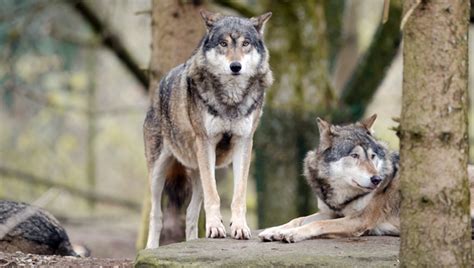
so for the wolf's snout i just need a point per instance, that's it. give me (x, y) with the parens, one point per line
(375, 180)
(235, 67)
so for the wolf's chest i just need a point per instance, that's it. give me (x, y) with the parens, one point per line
(215, 125)
(357, 205)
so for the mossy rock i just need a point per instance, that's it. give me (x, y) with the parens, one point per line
(347, 252)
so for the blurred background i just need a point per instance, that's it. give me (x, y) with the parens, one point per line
(74, 79)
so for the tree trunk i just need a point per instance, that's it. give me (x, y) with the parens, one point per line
(371, 69)
(435, 224)
(177, 28)
(301, 90)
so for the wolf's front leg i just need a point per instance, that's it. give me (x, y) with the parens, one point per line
(206, 156)
(347, 226)
(241, 165)
(274, 233)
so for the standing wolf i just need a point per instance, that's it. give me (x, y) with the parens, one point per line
(356, 180)
(203, 117)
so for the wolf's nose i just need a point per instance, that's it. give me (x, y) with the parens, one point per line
(375, 180)
(235, 67)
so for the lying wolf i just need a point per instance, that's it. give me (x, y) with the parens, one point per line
(355, 178)
(30, 229)
(203, 117)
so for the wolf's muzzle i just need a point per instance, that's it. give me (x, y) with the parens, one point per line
(235, 67)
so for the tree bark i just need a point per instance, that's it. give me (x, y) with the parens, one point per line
(177, 28)
(435, 224)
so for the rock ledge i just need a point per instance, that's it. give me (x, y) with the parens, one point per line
(347, 252)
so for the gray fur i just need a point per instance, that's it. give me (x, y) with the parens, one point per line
(204, 89)
(204, 105)
(335, 171)
(343, 140)
(239, 27)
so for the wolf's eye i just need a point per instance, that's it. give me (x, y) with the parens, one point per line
(355, 156)
(372, 156)
(245, 43)
(223, 43)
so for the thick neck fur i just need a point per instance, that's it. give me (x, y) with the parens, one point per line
(336, 193)
(227, 96)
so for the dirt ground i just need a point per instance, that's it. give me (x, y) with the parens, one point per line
(105, 238)
(29, 260)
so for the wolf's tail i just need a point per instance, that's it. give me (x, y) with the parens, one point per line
(177, 186)
(177, 190)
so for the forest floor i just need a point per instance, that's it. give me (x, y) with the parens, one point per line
(30, 260)
(104, 237)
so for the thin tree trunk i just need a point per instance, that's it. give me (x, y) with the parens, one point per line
(435, 224)
(334, 15)
(347, 56)
(371, 69)
(91, 127)
(177, 28)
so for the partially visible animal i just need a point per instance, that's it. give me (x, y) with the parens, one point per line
(30, 229)
(356, 182)
(203, 117)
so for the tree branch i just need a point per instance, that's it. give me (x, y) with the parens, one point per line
(110, 40)
(33, 179)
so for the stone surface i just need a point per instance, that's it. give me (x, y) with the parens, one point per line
(341, 252)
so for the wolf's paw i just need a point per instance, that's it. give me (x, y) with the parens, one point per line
(291, 236)
(270, 234)
(215, 229)
(240, 231)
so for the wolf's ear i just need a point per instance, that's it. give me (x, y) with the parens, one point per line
(369, 122)
(323, 125)
(209, 18)
(259, 22)
(326, 132)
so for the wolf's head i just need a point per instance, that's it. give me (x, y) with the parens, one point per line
(234, 46)
(351, 155)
